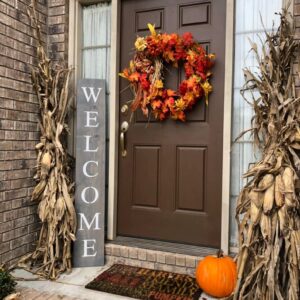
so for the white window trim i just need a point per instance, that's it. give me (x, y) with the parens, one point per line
(228, 96)
(74, 55)
(74, 58)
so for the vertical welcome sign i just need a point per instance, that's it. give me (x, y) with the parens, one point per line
(90, 173)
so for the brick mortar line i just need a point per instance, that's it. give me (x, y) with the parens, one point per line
(15, 198)
(32, 214)
(23, 22)
(27, 225)
(24, 111)
(17, 130)
(14, 238)
(18, 160)
(17, 80)
(34, 47)
(17, 60)
(19, 188)
(26, 102)
(31, 56)
(39, 4)
(14, 219)
(21, 32)
(30, 140)
(19, 121)
(20, 178)
(25, 4)
(7, 119)
(24, 187)
(17, 90)
(14, 180)
(13, 69)
(16, 29)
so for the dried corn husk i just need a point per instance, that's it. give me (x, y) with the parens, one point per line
(268, 259)
(279, 191)
(288, 180)
(255, 213)
(45, 162)
(289, 189)
(265, 226)
(297, 136)
(282, 216)
(269, 199)
(54, 190)
(265, 183)
(256, 198)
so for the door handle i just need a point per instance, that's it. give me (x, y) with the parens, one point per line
(124, 128)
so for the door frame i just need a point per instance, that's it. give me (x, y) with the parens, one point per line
(73, 59)
(114, 124)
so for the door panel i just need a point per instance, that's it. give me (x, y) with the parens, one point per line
(170, 182)
(186, 158)
(146, 175)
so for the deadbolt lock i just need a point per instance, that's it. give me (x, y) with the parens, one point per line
(124, 109)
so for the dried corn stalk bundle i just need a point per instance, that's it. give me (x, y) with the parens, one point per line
(54, 190)
(267, 211)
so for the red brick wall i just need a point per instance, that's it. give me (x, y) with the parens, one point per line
(58, 29)
(19, 118)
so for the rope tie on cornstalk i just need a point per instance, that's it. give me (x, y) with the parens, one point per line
(268, 207)
(54, 191)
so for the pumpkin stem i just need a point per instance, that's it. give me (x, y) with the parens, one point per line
(220, 253)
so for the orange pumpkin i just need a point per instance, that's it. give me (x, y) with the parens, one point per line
(217, 275)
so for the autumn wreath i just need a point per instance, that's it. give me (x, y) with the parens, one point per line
(145, 74)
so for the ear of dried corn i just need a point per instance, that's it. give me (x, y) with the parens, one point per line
(54, 190)
(268, 210)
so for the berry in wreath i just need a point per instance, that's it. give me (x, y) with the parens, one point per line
(145, 74)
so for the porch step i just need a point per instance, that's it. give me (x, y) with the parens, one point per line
(140, 256)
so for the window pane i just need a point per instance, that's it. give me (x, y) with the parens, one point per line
(248, 25)
(96, 42)
(96, 25)
(94, 63)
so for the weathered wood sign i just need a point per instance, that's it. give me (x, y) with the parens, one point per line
(90, 173)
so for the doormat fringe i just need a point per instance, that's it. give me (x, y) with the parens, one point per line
(142, 283)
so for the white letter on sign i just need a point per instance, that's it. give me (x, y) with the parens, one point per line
(87, 224)
(86, 247)
(89, 118)
(87, 144)
(85, 166)
(92, 93)
(83, 198)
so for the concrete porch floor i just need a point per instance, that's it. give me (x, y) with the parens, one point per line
(67, 287)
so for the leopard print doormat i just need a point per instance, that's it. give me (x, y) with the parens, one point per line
(141, 283)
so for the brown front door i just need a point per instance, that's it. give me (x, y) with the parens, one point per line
(170, 182)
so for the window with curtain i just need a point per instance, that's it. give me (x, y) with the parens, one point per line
(96, 41)
(250, 19)
(96, 22)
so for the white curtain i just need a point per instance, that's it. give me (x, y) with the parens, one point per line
(96, 41)
(250, 18)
